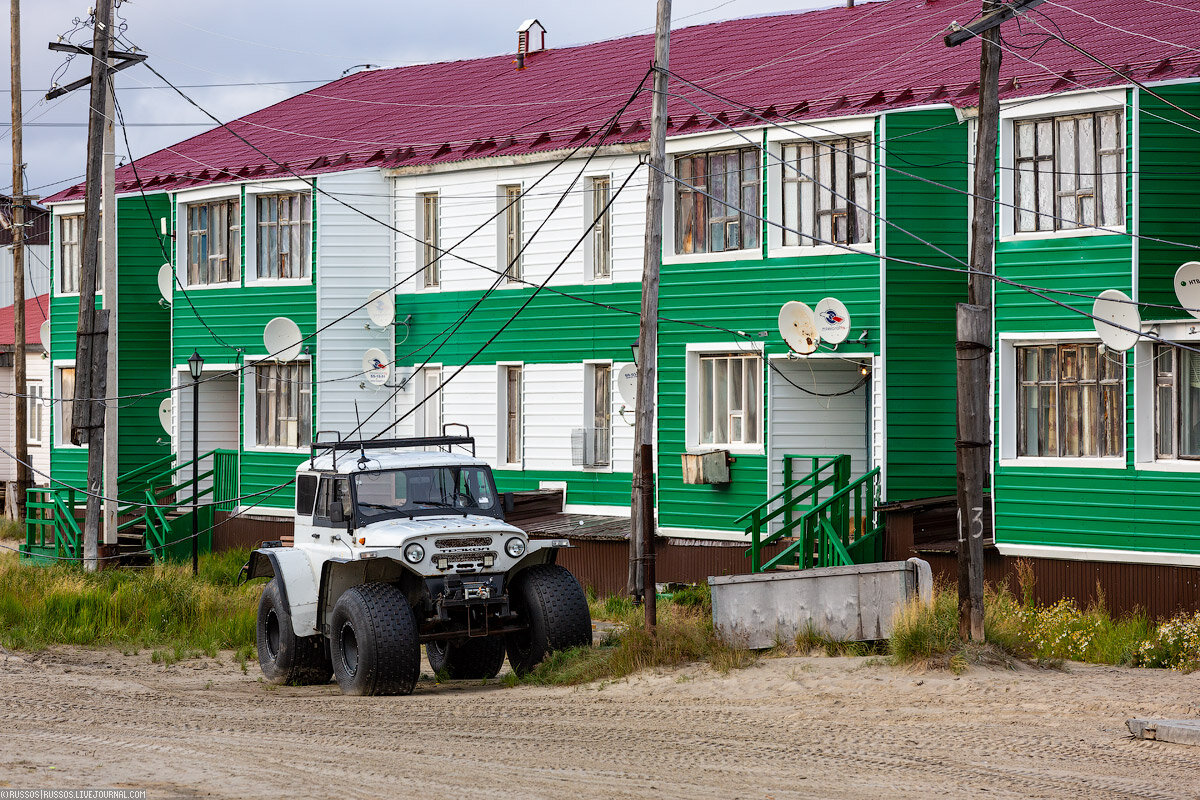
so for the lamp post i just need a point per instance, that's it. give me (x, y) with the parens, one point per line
(195, 366)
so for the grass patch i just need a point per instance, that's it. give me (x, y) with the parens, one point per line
(161, 608)
(1044, 635)
(11, 531)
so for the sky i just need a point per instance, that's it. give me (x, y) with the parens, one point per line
(265, 44)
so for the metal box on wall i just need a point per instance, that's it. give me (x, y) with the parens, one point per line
(709, 467)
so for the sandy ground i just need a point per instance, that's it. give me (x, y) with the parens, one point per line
(787, 727)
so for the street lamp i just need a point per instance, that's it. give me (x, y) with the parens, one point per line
(634, 347)
(195, 366)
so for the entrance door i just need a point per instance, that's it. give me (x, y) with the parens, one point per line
(821, 420)
(218, 420)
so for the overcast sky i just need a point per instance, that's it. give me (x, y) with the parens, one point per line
(267, 41)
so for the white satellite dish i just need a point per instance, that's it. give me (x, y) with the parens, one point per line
(798, 326)
(164, 414)
(166, 282)
(1116, 319)
(44, 334)
(381, 307)
(376, 367)
(282, 339)
(833, 320)
(627, 381)
(1187, 287)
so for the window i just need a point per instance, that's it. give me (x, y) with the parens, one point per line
(601, 254)
(730, 399)
(510, 232)
(34, 413)
(431, 397)
(512, 413)
(728, 220)
(428, 248)
(591, 445)
(214, 242)
(827, 192)
(283, 400)
(332, 493)
(70, 252)
(1176, 403)
(1071, 401)
(284, 235)
(66, 405)
(306, 494)
(1069, 172)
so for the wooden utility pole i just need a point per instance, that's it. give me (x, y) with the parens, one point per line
(19, 201)
(641, 539)
(974, 327)
(108, 220)
(91, 353)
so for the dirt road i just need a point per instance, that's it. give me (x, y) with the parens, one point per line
(788, 727)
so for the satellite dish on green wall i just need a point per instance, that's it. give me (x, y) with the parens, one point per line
(1187, 287)
(1116, 319)
(798, 326)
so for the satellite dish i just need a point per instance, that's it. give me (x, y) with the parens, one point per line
(1114, 312)
(798, 326)
(381, 307)
(44, 334)
(1187, 287)
(376, 367)
(833, 320)
(166, 282)
(627, 381)
(282, 339)
(164, 414)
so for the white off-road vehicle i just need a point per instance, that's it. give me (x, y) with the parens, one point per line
(400, 543)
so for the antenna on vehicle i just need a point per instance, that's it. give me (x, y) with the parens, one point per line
(362, 452)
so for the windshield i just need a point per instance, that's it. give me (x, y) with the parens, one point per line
(424, 491)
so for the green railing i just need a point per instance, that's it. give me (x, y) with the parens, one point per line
(154, 501)
(844, 528)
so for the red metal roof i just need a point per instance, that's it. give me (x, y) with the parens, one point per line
(830, 62)
(36, 309)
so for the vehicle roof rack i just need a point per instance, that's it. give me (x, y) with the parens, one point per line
(342, 445)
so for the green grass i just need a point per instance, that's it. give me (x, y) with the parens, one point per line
(162, 608)
(11, 531)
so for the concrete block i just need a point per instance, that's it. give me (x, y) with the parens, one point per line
(854, 603)
(1177, 731)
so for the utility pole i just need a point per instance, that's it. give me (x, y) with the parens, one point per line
(19, 201)
(643, 517)
(91, 353)
(108, 219)
(974, 318)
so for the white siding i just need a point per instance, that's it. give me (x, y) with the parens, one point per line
(37, 272)
(218, 416)
(353, 260)
(470, 399)
(36, 369)
(468, 198)
(553, 408)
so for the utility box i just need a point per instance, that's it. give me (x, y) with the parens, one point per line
(710, 467)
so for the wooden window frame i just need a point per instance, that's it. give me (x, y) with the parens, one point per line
(601, 194)
(206, 266)
(695, 220)
(511, 233)
(70, 253)
(827, 192)
(1080, 401)
(35, 407)
(292, 229)
(600, 388)
(514, 408)
(717, 370)
(431, 401)
(282, 395)
(430, 245)
(1071, 181)
(1169, 377)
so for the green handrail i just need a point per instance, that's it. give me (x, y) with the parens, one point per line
(760, 515)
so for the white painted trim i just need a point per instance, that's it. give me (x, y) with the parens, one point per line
(704, 258)
(817, 250)
(1073, 233)
(701, 142)
(1038, 337)
(1169, 465)
(68, 209)
(225, 191)
(691, 426)
(1099, 554)
(879, 364)
(705, 533)
(1063, 103)
(283, 186)
(56, 439)
(1135, 217)
(266, 511)
(622, 512)
(1065, 462)
(833, 128)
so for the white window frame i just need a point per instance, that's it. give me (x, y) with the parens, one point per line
(702, 143)
(589, 215)
(421, 379)
(1057, 106)
(209, 194)
(1008, 395)
(589, 405)
(250, 403)
(35, 409)
(1144, 403)
(514, 277)
(692, 396)
(419, 246)
(502, 442)
(59, 437)
(75, 209)
(250, 231)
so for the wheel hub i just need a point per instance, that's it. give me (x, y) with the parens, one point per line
(349, 649)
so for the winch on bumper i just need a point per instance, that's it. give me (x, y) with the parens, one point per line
(469, 591)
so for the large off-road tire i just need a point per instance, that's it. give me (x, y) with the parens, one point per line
(549, 599)
(373, 641)
(284, 656)
(466, 659)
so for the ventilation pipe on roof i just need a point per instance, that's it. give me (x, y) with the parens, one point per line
(849, 3)
(531, 37)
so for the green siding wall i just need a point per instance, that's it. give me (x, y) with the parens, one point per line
(921, 301)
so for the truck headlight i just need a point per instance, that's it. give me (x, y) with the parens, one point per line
(414, 553)
(514, 547)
